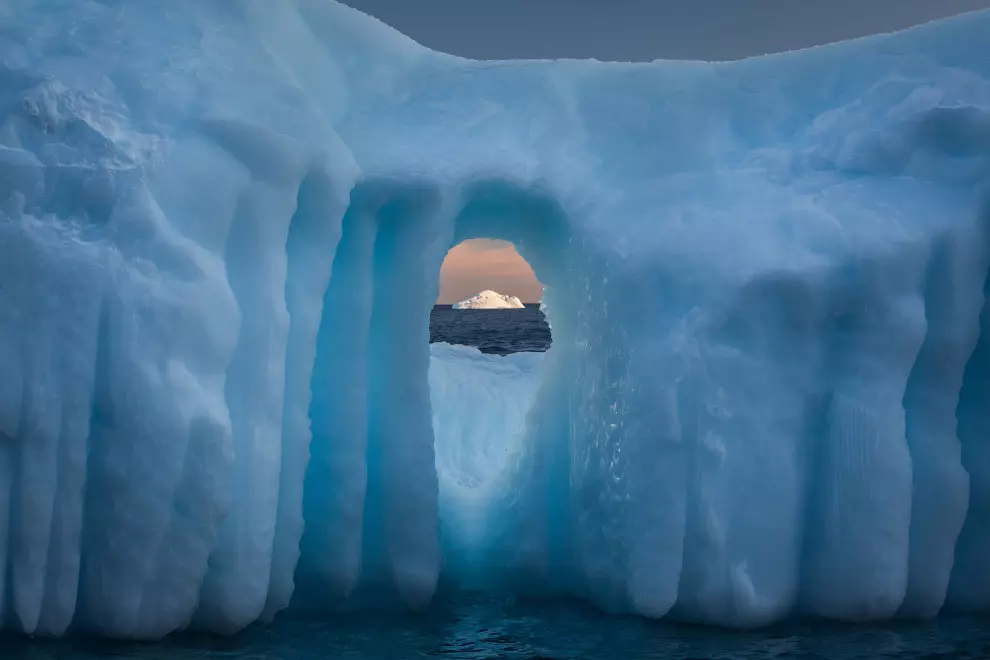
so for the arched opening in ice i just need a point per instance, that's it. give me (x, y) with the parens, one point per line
(489, 300)
(376, 510)
(485, 369)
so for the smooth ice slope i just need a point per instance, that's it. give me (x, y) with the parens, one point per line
(489, 299)
(221, 227)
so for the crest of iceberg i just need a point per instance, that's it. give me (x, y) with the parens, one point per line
(489, 299)
(221, 229)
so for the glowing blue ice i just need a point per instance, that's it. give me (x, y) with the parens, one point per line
(221, 225)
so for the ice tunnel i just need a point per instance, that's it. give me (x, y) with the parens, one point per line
(221, 226)
(372, 493)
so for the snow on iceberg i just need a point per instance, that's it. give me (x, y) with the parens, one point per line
(221, 229)
(489, 299)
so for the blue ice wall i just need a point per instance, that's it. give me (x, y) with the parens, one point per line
(221, 226)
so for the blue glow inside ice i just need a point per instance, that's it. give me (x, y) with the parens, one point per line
(221, 226)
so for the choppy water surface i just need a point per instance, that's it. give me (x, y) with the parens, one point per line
(496, 629)
(498, 331)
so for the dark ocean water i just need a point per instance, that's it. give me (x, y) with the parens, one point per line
(476, 629)
(498, 331)
(468, 627)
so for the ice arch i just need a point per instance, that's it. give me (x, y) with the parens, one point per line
(371, 504)
(767, 285)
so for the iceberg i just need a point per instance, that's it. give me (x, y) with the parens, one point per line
(489, 299)
(221, 230)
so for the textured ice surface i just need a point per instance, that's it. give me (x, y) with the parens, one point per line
(221, 227)
(479, 405)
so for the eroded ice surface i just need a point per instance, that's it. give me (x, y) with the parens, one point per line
(221, 226)
(479, 407)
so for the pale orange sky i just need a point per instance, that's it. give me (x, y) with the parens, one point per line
(480, 264)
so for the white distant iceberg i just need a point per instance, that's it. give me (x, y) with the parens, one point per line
(489, 299)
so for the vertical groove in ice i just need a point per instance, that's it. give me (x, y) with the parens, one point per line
(314, 235)
(969, 585)
(398, 386)
(236, 585)
(940, 496)
(861, 517)
(336, 476)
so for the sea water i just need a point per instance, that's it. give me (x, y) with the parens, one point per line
(466, 628)
(496, 331)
